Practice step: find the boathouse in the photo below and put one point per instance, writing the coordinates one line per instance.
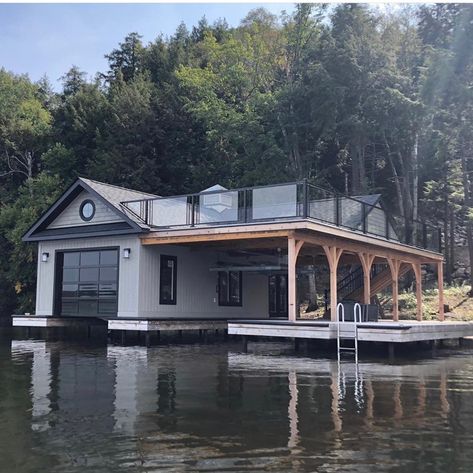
(146, 262)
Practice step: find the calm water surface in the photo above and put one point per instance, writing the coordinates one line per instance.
(79, 407)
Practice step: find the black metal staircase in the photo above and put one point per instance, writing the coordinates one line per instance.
(354, 280)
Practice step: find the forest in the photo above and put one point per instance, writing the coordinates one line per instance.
(351, 98)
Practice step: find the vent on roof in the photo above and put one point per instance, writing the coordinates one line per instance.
(218, 201)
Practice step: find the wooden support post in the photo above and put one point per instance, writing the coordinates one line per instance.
(440, 284)
(333, 257)
(293, 248)
(244, 344)
(394, 266)
(418, 274)
(366, 262)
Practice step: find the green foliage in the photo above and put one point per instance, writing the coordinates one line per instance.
(19, 267)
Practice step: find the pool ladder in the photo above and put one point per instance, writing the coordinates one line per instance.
(348, 330)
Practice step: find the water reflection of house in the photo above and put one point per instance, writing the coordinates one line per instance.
(41, 379)
(169, 405)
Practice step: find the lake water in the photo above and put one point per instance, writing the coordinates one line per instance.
(70, 406)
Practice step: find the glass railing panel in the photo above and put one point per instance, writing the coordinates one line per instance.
(321, 204)
(375, 220)
(415, 234)
(397, 229)
(137, 207)
(169, 212)
(351, 213)
(218, 207)
(274, 202)
(432, 239)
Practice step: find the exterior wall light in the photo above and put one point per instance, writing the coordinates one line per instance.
(126, 252)
(44, 257)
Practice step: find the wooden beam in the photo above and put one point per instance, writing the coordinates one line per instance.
(321, 240)
(418, 273)
(333, 257)
(366, 262)
(293, 248)
(193, 238)
(329, 231)
(394, 266)
(441, 316)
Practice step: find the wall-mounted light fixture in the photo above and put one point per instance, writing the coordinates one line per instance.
(126, 252)
(44, 257)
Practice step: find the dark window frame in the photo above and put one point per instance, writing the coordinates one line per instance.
(227, 302)
(173, 300)
(81, 210)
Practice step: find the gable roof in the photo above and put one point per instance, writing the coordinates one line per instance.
(370, 199)
(353, 214)
(115, 195)
(109, 195)
(214, 188)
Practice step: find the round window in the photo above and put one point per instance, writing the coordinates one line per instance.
(87, 210)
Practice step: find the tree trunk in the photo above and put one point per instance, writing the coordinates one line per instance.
(397, 182)
(415, 184)
(452, 241)
(468, 205)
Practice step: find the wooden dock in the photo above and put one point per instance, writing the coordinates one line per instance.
(122, 324)
(384, 331)
(164, 325)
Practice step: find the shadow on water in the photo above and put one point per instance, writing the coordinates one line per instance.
(68, 406)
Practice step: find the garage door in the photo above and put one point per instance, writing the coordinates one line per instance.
(87, 283)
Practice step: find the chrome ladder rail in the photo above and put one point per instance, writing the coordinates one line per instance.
(352, 334)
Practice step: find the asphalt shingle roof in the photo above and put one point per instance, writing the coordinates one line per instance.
(115, 195)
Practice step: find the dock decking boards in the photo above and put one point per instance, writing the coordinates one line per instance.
(397, 332)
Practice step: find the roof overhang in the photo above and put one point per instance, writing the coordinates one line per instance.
(311, 232)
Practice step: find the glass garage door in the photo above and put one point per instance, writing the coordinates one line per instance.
(88, 283)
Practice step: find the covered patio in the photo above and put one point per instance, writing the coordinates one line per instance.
(296, 243)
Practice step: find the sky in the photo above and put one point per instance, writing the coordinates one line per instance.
(39, 39)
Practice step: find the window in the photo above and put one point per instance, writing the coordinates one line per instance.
(167, 280)
(87, 210)
(229, 288)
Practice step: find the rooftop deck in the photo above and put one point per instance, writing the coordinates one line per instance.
(219, 207)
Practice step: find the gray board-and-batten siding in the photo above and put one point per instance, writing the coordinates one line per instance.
(138, 284)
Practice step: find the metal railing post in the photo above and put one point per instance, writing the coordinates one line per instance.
(364, 216)
(192, 210)
(245, 206)
(337, 210)
(440, 239)
(305, 203)
(424, 235)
